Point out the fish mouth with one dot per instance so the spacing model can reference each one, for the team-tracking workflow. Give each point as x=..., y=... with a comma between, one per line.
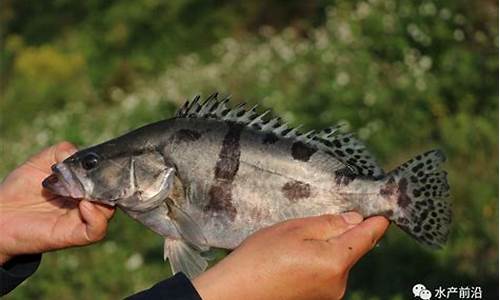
x=62, y=182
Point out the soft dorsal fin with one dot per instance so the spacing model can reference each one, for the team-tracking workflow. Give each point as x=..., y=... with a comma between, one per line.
x=348, y=149
x=343, y=146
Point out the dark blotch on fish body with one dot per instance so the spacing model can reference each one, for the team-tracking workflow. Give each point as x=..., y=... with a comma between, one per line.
x=226, y=168
x=302, y=152
x=403, y=198
x=295, y=190
x=186, y=135
x=389, y=189
x=220, y=199
x=229, y=156
x=270, y=138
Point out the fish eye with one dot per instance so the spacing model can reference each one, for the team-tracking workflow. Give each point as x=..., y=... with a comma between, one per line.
x=90, y=161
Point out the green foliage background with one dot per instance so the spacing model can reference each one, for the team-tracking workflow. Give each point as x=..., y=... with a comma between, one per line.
x=405, y=75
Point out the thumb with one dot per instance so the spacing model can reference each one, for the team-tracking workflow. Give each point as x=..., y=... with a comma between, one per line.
x=329, y=226
x=51, y=155
x=63, y=150
x=362, y=238
x=95, y=222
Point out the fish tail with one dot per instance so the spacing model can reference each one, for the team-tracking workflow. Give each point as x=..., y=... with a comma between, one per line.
x=421, y=209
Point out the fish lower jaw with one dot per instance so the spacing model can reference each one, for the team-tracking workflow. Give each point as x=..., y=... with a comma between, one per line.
x=57, y=184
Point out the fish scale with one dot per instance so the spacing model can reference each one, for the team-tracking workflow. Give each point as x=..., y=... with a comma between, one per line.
x=213, y=175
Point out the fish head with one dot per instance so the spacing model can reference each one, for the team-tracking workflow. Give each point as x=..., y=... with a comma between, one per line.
x=109, y=174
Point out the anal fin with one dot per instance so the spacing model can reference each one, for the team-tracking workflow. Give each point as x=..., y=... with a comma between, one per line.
x=184, y=258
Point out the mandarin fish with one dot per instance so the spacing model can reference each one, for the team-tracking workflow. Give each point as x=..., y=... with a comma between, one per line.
x=213, y=175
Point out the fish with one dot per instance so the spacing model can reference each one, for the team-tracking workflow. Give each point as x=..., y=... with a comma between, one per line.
x=212, y=175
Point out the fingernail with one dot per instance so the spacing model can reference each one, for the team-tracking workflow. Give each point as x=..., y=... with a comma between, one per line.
x=65, y=154
x=352, y=217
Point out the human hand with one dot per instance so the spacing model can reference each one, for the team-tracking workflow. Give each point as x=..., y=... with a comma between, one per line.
x=32, y=220
x=307, y=258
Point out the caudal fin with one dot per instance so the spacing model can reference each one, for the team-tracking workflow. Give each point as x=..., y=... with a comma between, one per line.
x=421, y=207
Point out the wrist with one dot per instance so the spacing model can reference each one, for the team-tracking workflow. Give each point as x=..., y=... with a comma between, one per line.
x=201, y=285
x=222, y=282
x=207, y=286
x=4, y=258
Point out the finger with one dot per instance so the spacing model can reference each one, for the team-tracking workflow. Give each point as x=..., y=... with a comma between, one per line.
x=95, y=222
x=51, y=155
x=328, y=226
x=106, y=210
x=362, y=238
x=64, y=150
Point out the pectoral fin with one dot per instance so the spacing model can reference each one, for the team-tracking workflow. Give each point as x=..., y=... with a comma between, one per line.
x=212, y=254
x=187, y=227
x=184, y=258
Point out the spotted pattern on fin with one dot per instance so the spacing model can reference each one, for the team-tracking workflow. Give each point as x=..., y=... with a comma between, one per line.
x=344, y=176
x=422, y=210
x=349, y=150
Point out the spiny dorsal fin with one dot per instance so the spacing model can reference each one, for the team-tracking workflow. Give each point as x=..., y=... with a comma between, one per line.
x=343, y=146
x=212, y=108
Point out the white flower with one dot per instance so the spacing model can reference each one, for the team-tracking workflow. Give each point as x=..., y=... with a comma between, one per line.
x=342, y=78
x=427, y=9
x=458, y=35
x=445, y=14
x=134, y=262
x=362, y=10
x=425, y=63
